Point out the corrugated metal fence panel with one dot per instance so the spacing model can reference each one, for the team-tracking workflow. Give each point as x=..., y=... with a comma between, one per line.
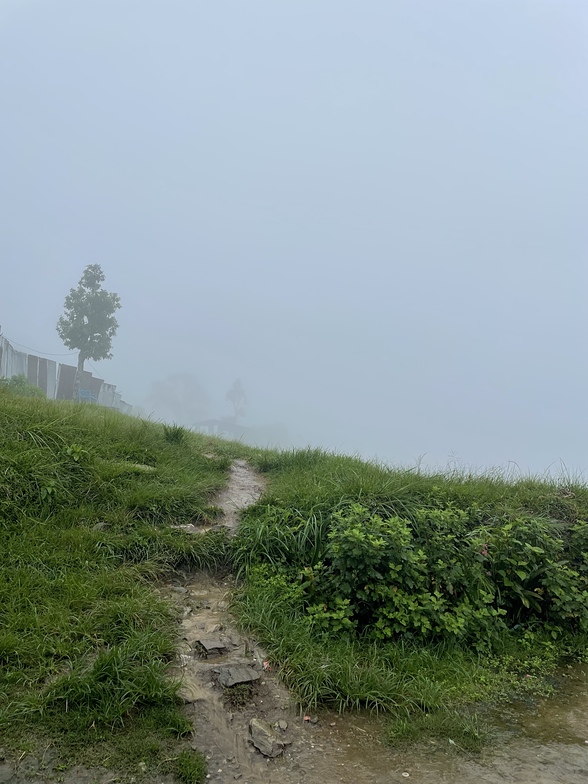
x=13, y=362
x=65, y=382
x=42, y=375
x=85, y=388
x=95, y=386
x=106, y=395
x=33, y=369
x=51, y=379
x=17, y=363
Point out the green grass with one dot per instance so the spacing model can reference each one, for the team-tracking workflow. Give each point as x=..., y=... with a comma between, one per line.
x=88, y=501
x=88, y=498
x=313, y=480
x=449, y=729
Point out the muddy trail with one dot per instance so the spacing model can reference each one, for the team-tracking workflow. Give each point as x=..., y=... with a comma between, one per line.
x=228, y=690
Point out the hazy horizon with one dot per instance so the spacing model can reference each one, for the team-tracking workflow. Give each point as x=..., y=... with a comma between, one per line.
x=372, y=214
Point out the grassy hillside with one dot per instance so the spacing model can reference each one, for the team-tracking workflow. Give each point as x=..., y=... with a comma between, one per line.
x=86, y=501
x=417, y=595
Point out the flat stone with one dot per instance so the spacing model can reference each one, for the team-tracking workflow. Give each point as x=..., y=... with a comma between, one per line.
x=231, y=676
x=212, y=646
x=265, y=739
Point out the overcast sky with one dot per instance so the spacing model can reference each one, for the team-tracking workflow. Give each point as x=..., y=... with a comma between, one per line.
x=372, y=212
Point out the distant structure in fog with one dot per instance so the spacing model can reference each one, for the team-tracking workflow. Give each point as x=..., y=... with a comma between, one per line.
x=57, y=379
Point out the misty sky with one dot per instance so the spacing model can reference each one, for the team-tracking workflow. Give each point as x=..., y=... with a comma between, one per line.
x=374, y=213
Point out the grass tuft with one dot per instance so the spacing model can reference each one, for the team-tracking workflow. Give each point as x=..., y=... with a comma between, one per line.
x=190, y=767
x=175, y=434
x=449, y=728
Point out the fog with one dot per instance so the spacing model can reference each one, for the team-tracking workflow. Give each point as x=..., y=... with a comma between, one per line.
x=371, y=213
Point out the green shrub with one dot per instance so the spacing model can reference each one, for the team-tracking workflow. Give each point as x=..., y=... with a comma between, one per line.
x=442, y=573
x=20, y=385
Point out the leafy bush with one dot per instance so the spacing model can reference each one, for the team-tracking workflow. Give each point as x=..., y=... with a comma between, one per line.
x=19, y=385
x=439, y=574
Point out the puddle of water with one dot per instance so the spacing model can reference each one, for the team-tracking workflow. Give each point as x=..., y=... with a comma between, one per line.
x=559, y=719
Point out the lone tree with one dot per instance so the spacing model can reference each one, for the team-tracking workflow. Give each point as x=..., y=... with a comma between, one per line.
x=88, y=323
x=238, y=398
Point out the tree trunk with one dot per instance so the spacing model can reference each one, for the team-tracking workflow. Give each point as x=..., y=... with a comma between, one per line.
x=78, y=377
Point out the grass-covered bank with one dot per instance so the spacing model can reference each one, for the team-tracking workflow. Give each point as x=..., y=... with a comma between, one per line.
x=415, y=594
x=423, y=597
x=87, y=497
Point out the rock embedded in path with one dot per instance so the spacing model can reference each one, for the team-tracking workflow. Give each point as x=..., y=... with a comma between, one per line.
x=265, y=739
x=211, y=646
x=231, y=676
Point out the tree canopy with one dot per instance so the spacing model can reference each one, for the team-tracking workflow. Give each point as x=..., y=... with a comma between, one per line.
x=88, y=323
